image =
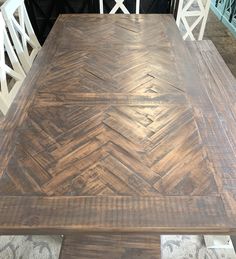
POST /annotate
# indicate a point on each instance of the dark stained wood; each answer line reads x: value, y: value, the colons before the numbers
x: 113, y: 214
x: 216, y: 120
x: 115, y: 246
x: 120, y: 134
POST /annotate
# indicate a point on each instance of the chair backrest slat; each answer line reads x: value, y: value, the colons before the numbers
x: 119, y: 4
x: 11, y: 72
x: 192, y: 17
x: 21, y: 30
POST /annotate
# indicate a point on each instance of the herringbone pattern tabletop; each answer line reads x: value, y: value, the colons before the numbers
x: 111, y: 138
x: 110, y: 120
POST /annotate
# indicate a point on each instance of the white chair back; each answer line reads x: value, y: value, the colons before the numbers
x: 24, y: 39
x: 192, y: 17
x: 119, y: 4
x: 11, y: 72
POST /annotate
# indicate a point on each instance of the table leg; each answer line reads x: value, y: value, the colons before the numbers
x: 111, y: 246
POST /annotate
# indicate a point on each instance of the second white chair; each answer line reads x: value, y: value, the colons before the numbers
x: 119, y: 4
x: 11, y: 73
x: 24, y: 39
x: 192, y: 17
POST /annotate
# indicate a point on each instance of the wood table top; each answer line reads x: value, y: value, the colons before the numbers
x: 108, y: 135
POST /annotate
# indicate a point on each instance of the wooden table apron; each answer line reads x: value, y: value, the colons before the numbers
x: 107, y: 135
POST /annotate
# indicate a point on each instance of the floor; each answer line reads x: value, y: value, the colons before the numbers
x: 48, y: 247
x: 179, y: 247
x: 224, y: 41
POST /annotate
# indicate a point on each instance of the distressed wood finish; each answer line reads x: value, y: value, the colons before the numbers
x: 66, y: 215
x: 115, y: 246
x: 112, y: 137
x: 216, y: 119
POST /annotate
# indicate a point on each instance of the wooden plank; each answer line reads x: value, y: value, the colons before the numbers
x: 117, y: 99
x: 106, y: 246
x: 64, y: 215
x: 215, y: 113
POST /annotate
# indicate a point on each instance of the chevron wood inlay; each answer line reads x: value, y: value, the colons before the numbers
x: 112, y: 137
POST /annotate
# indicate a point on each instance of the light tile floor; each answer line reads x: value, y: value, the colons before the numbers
x: 224, y: 41
x: 48, y: 247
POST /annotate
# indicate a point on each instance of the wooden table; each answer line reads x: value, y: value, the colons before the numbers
x: 113, y: 132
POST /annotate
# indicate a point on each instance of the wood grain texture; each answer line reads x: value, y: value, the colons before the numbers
x: 113, y: 214
x: 106, y: 246
x: 112, y: 140
x: 215, y: 115
x: 111, y: 120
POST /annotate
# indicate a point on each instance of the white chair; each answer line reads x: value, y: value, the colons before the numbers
x: 119, y: 4
x: 24, y: 39
x: 192, y: 17
x: 11, y: 72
